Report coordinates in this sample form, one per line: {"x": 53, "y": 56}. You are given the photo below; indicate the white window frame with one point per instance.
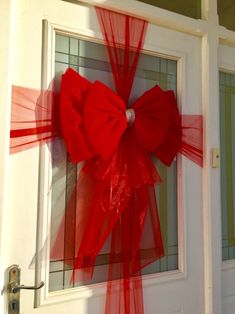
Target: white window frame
{"x": 43, "y": 296}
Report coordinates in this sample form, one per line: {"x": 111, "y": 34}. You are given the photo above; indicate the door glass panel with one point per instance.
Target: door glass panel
{"x": 91, "y": 60}
{"x": 226, "y": 12}
{"x": 191, "y": 8}
{"x": 227, "y": 146}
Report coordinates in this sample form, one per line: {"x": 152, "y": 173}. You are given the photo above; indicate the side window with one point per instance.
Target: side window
{"x": 90, "y": 60}
{"x": 227, "y": 135}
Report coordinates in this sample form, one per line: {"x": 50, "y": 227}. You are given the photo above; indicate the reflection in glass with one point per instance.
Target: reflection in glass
{"x": 226, "y": 12}
{"x": 191, "y": 8}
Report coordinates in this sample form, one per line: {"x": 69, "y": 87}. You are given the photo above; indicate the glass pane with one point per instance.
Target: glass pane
{"x": 226, "y": 11}
{"x": 227, "y": 146}
{"x": 91, "y": 61}
{"x": 191, "y": 8}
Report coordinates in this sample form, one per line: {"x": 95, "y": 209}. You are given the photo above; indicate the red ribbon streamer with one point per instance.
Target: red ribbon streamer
{"x": 192, "y": 138}
{"x": 124, "y": 37}
{"x": 34, "y": 117}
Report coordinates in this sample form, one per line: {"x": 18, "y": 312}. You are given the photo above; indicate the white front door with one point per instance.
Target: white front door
{"x": 70, "y": 36}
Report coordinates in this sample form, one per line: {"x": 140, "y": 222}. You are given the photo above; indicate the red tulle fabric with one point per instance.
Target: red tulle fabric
{"x": 35, "y": 121}
{"x": 192, "y": 138}
{"x": 117, "y": 181}
{"x": 115, "y": 199}
{"x": 124, "y": 37}
{"x": 34, "y": 117}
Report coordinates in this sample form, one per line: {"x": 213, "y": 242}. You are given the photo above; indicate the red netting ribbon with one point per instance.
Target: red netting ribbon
{"x": 34, "y": 117}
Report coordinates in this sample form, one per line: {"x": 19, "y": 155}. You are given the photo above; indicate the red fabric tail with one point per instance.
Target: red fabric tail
{"x": 192, "y": 138}
{"x": 124, "y": 37}
{"x": 34, "y": 117}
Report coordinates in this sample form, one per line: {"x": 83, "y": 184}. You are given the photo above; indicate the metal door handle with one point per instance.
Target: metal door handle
{"x": 12, "y": 289}
{"x": 17, "y": 288}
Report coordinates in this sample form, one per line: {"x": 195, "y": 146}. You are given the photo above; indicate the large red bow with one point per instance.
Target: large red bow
{"x": 116, "y": 185}
{"x": 93, "y": 120}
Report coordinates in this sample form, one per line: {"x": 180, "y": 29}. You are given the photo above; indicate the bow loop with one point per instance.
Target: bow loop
{"x": 167, "y": 151}
{"x": 104, "y": 118}
{"x": 73, "y": 91}
{"x": 152, "y": 112}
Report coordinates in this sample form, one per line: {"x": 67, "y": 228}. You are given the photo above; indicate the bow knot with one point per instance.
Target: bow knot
{"x": 130, "y": 117}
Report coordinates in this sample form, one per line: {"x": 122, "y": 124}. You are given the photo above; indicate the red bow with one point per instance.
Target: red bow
{"x": 93, "y": 120}
{"x": 116, "y": 185}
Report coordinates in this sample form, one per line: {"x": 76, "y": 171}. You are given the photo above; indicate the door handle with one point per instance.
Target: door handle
{"x": 17, "y": 288}
{"x": 12, "y": 289}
